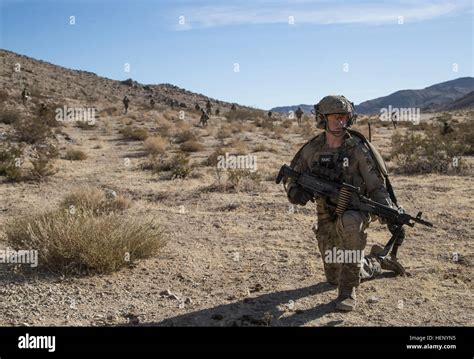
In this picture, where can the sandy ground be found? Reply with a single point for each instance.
(238, 258)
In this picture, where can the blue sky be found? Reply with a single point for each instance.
(288, 52)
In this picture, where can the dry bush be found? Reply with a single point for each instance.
(74, 154)
(287, 123)
(31, 130)
(244, 179)
(178, 166)
(307, 130)
(83, 242)
(165, 130)
(170, 116)
(9, 117)
(155, 145)
(185, 136)
(3, 96)
(239, 146)
(260, 148)
(270, 175)
(236, 127)
(134, 133)
(95, 201)
(236, 180)
(42, 162)
(212, 159)
(106, 127)
(277, 133)
(429, 153)
(223, 133)
(10, 161)
(110, 111)
(244, 115)
(191, 146)
(86, 125)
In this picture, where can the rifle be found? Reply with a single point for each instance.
(350, 197)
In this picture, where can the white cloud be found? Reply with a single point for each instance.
(319, 13)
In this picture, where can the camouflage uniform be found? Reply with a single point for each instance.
(204, 118)
(208, 107)
(125, 101)
(299, 114)
(351, 163)
(25, 96)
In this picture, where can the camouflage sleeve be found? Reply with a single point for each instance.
(298, 163)
(374, 182)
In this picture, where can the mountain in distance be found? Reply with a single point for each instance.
(433, 98)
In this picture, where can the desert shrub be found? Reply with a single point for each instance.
(223, 133)
(277, 133)
(134, 134)
(110, 111)
(287, 123)
(42, 162)
(235, 180)
(185, 136)
(95, 201)
(191, 146)
(165, 130)
(84, 242)
(155, 145)
(428, 153)
(31, 130)
(74, 154)
(9, 117)
(212, 159)
(42, 168)
(47, 114)
(178, 165)
(260, 148)
(239, 146)
(86, 125)
(3, 96)
(235, 176)
(307, 130)
(10, 161)
(244, 115)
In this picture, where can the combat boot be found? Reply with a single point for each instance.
(387, 263)
(346, 301)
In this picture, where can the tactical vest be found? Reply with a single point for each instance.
(377, 158)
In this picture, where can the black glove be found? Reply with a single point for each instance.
(297, 195)
(401, 236)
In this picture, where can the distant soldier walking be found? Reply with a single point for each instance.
(125, 101)
(446, 129)
(25, 96)
(299, 114)
(208, 107)
(394, 119)
(204, 118)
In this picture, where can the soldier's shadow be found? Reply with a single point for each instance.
(256, 311)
